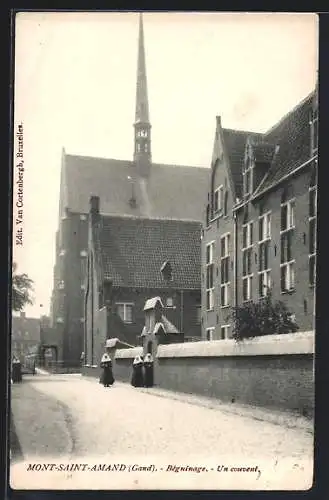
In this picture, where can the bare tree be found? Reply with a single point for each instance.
(22, 286)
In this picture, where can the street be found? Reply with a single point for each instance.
(72, 418)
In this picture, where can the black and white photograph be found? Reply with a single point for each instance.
(164, 243)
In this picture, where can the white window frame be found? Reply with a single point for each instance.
(125, 305)
(248, 278)
(226, 331)
(247, 248)
(311, 219)
(290, 222)
(225, 285)
(209, 263)
(267, 216)
(169, 302)
(264, 277)
(290, 269)
(210, 330)
(219, 196)
(265, 237)
(61, 285)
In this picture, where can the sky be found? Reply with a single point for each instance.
(75, 87)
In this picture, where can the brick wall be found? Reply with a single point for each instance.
(275, 371)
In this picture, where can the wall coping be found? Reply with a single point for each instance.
(294, 343)
(128, 353)
(268, 345)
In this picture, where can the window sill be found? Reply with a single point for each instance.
(226, 306)
(288, 292)
(312, 286)
(209, 310)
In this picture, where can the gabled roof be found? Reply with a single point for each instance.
(292, 135)
(170, 191)
(151, 303)
(133, 250)
(235, 145)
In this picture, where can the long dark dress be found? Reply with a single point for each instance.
(16, 372)
(107, 378)
(137, 379)
(148, 369)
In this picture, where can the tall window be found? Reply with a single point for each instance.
(247, 176)
(210, 275)
(225, 269)
(125, 311)
(312, 229)
(226, 202)
(247, 247)
(264, 271)
(225, 331)
(218, 199)
(287, 234)
(210, 333)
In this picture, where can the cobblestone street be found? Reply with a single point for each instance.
(69, 417)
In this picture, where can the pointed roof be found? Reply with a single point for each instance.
(142, 105)
(156, 197)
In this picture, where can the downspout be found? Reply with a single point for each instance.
(182, 311)
(92, 310)
(235, 253)
(85, 311)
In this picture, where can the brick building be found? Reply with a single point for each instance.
(25, 335)
(125, 258)
(260, 221)
(137, 188)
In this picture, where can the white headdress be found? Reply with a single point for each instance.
(137, 360)
(105, 358)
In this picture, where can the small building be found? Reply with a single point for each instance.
(259, 232)
(25, 335)
(158, 329)
(125, 258)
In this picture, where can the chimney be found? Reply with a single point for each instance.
(23, 315)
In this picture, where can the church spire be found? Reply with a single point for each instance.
(142, 151)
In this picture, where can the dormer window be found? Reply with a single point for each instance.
(218, 199)
(314, 131)
(248, 176)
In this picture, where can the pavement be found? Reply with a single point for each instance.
(74, 418)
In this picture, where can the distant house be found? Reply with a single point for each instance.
(135, 187)
(125, 258)
(259, 230)
(25, 336)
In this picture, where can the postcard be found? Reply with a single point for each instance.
(164, 251)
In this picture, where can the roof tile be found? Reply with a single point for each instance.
(133, 250)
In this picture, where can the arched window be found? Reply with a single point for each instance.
(226, 202)
(208, 215)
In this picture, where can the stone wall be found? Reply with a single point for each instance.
(275, 371)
